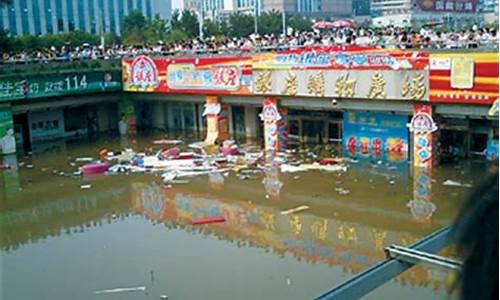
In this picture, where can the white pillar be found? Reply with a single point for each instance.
(134, 4)
(18, 12)
(76, 15)
(31, 17)
(97, 17)
(107, 23)
(125, 8)
(5, 17)
(250, 121)
(117, 18)
(86, 16)
(144, 9)
(43, 17)
(64, 6)
(53, 16)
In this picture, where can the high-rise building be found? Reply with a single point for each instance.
(37, 17)
(333, 8)
(406, 12)
(361, 7)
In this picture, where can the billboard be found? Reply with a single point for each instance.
(455, 6)
(221, 75)
(40, 86)
(376, 135)
(463, 78)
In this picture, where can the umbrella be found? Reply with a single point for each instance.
(322, 25)
(343, 23)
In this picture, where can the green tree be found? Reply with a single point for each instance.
(156, 30)
(176, 35)
(299, 24)
(186, 21)
(5, 41)
(270, 23)
(133, 27)
(240, 25)
(211, 28)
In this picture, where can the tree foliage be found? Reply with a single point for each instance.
(240, 24)
(270, 23)
(187, 21)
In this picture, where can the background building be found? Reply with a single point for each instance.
(453, 13)
(37, 17)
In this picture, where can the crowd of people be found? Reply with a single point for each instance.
(389, 37)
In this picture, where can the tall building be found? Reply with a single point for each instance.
(406, 12)
(37, 17)
(333, 8)
(361, 7)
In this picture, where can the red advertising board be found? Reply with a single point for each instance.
(221, 75)
(464, 78)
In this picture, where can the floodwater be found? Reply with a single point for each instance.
(61, 242)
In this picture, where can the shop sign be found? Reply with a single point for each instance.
(189, 76)
(422, 122)
(143, 73)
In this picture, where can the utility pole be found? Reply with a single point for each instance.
(256, 22)
(283, 18)
(201, 14)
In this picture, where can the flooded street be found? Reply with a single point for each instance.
(59, 241)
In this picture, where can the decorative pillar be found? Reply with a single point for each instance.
(217, 120)
(271, 118)
(422, 126)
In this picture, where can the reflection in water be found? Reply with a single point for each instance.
(342, 232)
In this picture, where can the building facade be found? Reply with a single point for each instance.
(38, 17)
(406, 12)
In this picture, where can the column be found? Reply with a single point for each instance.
(217, 120)
(117, 18)
(144, 9)
(134, 4)
(31, 17)
(107, 24)
(5, 18)
(271, 117)
(125, 8)
(43, 17)
(422, 126)
(64, 6)
(76, 15)
(159, 116)
(250, 122)
(53, 15)
(97, 17)
(18, 14)
(86, 16)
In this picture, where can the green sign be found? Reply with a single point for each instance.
(7, 140)
(40, 86)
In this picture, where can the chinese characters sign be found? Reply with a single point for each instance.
(187, 76)
(15, 88)
(359, 84)
(376, 135)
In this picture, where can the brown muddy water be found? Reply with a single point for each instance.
(61, 242)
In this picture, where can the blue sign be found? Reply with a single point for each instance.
(376, 135)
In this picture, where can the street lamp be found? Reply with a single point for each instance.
(256, 22)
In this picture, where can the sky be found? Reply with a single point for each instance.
(177, 4)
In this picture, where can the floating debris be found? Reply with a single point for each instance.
(85, 186)
(450, 182)
(121, 290)
(294, 210)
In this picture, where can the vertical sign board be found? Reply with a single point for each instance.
(422, 125)
(212, 110)
(271, 117)
(223, 123)
(7, 139)
(376, 135)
